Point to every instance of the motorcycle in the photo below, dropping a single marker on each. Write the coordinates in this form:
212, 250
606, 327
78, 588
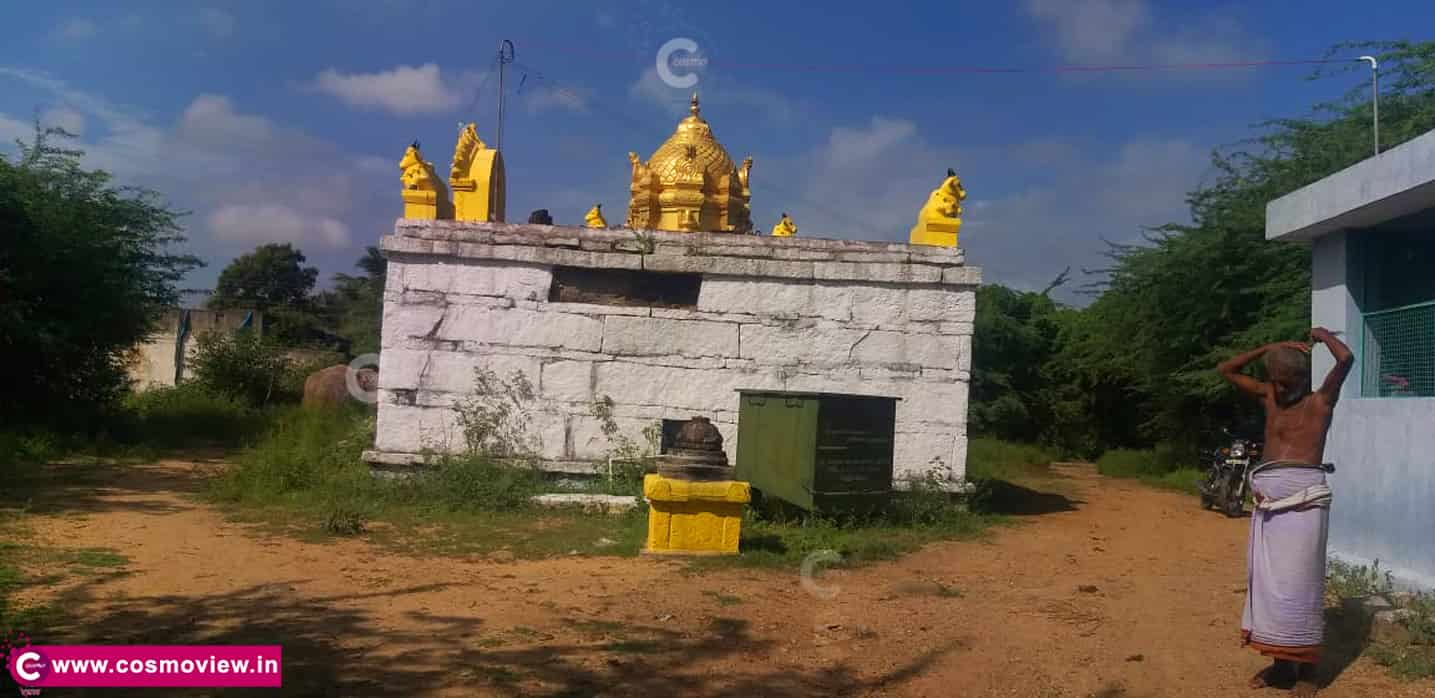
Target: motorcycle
1226, 485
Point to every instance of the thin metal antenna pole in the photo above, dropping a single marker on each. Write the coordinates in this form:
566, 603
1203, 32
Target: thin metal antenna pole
505, 56
1374, 99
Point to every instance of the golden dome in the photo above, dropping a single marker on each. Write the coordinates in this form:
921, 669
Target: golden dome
692, 150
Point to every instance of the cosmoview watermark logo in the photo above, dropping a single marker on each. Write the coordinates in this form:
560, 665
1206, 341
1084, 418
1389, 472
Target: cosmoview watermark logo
811, 571
680, 53
361, 378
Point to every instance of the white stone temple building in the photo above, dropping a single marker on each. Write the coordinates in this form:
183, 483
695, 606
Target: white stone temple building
668, 326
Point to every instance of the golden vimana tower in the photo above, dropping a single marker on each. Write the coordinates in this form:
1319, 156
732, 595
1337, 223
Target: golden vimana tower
690, 184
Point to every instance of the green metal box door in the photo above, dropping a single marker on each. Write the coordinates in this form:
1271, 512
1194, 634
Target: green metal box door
817, 450
775, 445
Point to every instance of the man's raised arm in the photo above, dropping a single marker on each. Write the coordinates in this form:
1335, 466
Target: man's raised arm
1344, 359
1231, 370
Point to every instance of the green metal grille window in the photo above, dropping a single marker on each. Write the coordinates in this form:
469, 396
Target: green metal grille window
1398, 352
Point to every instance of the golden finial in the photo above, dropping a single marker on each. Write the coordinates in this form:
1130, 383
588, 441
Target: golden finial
693, 106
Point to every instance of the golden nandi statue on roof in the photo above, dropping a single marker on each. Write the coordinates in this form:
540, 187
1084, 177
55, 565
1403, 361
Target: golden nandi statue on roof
476, 177
940, 218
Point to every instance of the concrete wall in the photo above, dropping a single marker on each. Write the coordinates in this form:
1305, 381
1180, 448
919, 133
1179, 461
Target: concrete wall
773, 313
161, 359
1383, 449
1396, 183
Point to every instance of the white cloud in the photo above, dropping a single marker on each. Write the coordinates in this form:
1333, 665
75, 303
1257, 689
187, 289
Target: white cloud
1105, 31
65, 118
554, 97
404, 90
377, 165
1092, 30
649, 87
77, 29
263, 223
713, 90
869, 181
12, 130
246, 178
216, 21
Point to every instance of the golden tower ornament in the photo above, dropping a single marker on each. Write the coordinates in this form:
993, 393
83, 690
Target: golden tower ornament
690, 184
940, 218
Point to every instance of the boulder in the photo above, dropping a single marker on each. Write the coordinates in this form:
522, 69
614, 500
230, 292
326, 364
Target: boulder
328, 387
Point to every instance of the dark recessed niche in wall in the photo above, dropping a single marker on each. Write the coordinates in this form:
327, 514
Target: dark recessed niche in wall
624, 287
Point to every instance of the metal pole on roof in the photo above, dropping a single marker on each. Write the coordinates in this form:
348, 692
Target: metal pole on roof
505, 56
1374, 98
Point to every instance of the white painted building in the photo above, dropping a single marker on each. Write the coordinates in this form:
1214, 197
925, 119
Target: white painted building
1371, 228
668, 325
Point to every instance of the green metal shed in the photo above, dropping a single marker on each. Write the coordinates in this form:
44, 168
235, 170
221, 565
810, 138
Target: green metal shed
822, 452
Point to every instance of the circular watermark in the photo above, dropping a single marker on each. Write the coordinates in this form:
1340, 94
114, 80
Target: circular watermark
681, 53
810, 573
29, 666
366, 389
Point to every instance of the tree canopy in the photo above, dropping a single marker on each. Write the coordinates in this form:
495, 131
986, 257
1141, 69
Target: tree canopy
272, 275
85, 270
1137, 364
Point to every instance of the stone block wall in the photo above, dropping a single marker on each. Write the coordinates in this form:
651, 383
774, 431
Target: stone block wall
798, 314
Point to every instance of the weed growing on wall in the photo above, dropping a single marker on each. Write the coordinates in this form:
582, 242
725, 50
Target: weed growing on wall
629, 458
495, 416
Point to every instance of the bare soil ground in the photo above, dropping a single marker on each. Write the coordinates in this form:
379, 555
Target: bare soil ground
1106, 588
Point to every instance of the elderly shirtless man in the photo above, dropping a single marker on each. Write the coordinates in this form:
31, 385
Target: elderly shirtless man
1285, 592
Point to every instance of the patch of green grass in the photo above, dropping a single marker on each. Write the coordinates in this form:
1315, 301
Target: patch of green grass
1157, 467
723, 599
598, 627
634, 646
188, 415
15, 556
989, 458
98, 557
306, 475
787, 543
1409, 662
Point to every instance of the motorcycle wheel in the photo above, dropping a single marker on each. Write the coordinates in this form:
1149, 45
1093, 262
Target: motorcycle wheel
1232, 503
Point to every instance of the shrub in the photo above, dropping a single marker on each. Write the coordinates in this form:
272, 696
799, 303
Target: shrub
304, 450
242, 364
494, 416
628, 460
189, 414
473, 482
1348, 581
994, 458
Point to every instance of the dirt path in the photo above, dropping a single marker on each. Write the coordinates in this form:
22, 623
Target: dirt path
1111, 590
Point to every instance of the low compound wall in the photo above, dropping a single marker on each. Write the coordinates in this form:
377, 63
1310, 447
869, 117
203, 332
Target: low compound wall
668, 325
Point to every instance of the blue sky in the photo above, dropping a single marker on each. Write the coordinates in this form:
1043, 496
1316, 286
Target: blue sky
277, 121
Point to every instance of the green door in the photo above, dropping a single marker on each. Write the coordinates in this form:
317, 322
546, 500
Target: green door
776, 436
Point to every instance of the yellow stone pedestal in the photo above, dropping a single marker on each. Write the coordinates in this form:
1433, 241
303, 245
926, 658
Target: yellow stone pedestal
939, 233
694, 518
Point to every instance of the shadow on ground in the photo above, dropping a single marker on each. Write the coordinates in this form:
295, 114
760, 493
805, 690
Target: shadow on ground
1347, 633
104, 486
1018, 500
333, 649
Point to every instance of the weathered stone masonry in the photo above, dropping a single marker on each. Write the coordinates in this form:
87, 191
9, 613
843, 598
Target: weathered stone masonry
772, 313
